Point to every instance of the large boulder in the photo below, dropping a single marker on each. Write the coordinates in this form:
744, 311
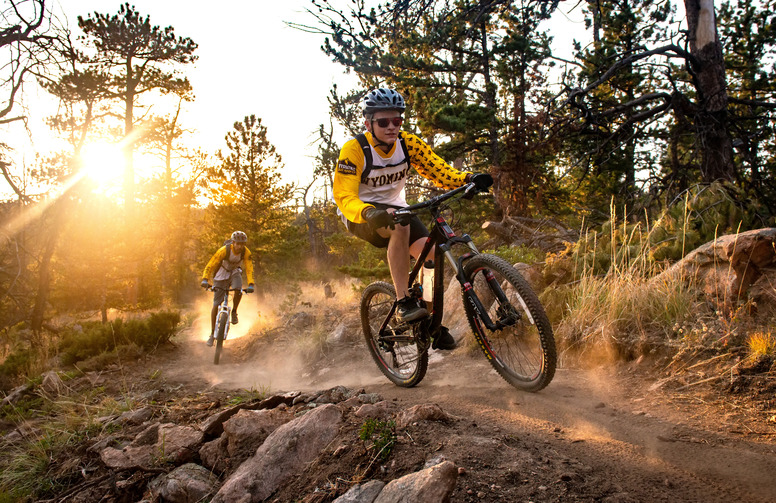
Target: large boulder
213, 426
731, 268
432, 485
214, 455
362, 493
157, 444
454, 317
188, 483
248, 429
284, 454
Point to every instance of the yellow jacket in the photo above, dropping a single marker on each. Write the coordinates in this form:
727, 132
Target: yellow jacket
351, 163
218, 261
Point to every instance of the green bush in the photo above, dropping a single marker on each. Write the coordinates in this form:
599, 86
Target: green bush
123, 353
515, 254
371, 265
95, 338
379, 436
645, 247
16, 364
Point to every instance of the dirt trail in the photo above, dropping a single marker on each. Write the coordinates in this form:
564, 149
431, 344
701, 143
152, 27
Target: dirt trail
613, 422
652, 444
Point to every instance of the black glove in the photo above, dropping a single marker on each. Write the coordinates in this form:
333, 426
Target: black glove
481, 180
204, 284
378, 218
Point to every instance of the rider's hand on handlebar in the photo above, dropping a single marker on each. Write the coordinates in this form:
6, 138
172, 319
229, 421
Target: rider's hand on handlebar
378, 218
204, 284
249, 289
482, 181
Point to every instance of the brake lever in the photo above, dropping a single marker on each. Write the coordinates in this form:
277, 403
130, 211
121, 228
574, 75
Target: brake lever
470, 192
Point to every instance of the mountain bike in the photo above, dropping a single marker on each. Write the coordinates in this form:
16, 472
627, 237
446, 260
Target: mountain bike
508, 320
222, 321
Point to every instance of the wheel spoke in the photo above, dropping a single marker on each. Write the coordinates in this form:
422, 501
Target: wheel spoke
521, 347
397, 354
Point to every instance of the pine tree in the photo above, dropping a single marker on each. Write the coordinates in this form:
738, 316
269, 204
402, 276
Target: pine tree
135, 54
748, 34
247, 192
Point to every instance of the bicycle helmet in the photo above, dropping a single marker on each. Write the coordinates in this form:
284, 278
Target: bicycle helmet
383, 99
239, 237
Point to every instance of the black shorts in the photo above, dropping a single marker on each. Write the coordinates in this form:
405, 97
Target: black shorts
368, 233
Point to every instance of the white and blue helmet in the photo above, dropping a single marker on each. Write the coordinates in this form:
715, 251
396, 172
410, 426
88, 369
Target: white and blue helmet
383, 99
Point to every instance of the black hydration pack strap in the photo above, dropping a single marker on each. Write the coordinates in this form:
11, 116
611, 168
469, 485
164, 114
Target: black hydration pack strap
367, 148
361, 137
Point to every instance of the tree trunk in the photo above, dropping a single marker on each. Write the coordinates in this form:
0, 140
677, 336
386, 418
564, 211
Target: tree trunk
44, 280
709, 73
133, 288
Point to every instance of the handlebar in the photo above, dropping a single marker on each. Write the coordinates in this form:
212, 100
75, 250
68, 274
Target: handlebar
402, 214
212, 288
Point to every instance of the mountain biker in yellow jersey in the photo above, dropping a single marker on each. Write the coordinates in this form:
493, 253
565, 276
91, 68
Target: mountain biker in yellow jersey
225, 267
369, 185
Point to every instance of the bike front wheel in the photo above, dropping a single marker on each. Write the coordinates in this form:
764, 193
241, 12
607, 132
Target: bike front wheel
221, 322
398, 354
520, 346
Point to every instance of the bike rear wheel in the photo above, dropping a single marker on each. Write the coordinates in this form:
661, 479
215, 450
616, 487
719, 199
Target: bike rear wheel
400, 356
221, 323
522, 347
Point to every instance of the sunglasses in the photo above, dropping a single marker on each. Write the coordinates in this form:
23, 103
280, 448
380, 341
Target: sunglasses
396, 121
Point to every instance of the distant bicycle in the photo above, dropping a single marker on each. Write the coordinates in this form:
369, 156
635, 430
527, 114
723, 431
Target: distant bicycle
222, 320
508, 321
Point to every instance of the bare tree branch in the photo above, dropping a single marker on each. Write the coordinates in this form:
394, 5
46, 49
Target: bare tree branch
11, 183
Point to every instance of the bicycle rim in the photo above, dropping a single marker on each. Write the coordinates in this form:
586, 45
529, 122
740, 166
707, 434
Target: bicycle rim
523, 351
401, 359
223, 319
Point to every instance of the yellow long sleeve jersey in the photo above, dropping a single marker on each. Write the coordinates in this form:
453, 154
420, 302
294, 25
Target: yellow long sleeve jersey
219, 268
385, 182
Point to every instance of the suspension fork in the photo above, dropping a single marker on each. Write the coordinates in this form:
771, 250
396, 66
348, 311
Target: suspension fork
468, 291
223, 308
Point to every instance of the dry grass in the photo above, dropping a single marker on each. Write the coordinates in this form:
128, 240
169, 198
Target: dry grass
761, 344
628, 311
621, 316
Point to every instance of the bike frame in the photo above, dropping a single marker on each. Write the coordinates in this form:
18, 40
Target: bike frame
224, 307
441, 239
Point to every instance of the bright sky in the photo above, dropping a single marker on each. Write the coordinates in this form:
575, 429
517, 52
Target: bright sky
250, 62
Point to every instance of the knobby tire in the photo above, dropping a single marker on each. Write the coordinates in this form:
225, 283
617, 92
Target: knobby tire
223, 319
404, 362
522, 352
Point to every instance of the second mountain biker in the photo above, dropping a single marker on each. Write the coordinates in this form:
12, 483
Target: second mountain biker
226, 267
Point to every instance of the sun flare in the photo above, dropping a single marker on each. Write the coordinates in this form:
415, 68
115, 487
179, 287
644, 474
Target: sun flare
103, 163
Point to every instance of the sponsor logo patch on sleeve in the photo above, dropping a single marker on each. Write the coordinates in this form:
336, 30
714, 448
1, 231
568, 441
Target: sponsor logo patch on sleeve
346, 167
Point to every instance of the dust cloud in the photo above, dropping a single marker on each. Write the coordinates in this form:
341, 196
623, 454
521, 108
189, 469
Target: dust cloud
265, 352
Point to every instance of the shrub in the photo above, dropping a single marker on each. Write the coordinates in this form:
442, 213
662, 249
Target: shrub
16, 364
379, 436
515, 254
94, 338
703, 213
370, 266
